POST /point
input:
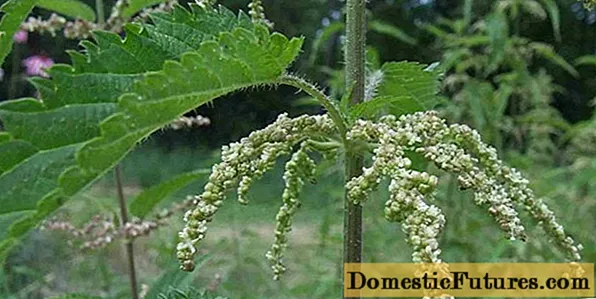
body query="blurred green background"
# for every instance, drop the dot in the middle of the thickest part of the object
(513, 70)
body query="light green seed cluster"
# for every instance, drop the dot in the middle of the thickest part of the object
(256, 10)
(453, 148)
(116, 19)
(243, 162)
(52, 25)
(206, 3)
(77, 29)
(255, 169)
(487, 190)
(387, 160)
(300, 168)
(421, 222)
(457, 149)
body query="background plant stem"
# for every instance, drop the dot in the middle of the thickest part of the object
(132, 273)
(355, 79)
(130, 254)
(99, 7)
(15, 72)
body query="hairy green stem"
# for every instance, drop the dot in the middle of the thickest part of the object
(323, 99)
(132, 273)
(355, 82)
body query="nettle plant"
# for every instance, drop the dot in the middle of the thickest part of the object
(118, 91)
(492, 81)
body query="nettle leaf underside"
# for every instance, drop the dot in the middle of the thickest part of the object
(402, 88)
(116, 93)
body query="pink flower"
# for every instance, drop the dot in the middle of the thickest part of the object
(21, 37)
(35, 65)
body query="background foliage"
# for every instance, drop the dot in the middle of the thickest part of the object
(520, 71)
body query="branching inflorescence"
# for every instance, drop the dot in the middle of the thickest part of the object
(300, 167)
(453, 148)
(81, 29)
(456, 149)
(103, 230)
(257, 12)
(242, 163)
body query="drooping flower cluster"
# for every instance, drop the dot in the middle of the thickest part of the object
(460, 150)
(77, 29)
(453, 148)
(53, 24)
(300, 168)
(256, 10)
(242, 163)
(409, 188)
(117, 19)
(102, 230)
(81, 29)
(189, 122)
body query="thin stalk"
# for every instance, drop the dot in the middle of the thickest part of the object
(323, 99)
(14, 73)
(355, 81)
(101, 16)
(132, 273)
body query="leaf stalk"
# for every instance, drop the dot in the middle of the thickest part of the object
(321, 97)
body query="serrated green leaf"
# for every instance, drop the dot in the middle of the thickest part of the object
(146, 201)
(238, 60)
(119, 91)
(410, 79)
(24, 185)
(135, 6)
(69, 8)
(6, 220)
(15, 12)
(406, 87)
(399, 105)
